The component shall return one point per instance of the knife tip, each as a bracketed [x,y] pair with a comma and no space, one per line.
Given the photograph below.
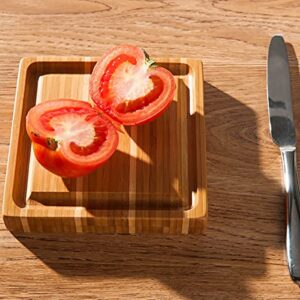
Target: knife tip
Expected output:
[277,37]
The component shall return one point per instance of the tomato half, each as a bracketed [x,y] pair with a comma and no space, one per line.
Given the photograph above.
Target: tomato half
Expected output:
[128,86]
[69,137]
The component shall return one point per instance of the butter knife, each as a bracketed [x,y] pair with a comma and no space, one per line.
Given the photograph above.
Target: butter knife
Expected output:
[283,134]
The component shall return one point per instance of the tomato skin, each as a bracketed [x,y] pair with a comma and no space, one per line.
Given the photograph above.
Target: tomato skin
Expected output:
[57,156]
[109,104]
[56,163]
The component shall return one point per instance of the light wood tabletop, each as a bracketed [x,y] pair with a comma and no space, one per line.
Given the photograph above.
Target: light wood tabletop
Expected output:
[242,254]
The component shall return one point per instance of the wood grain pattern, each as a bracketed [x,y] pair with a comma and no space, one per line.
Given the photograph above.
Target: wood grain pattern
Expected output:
[141,189]
[242,254]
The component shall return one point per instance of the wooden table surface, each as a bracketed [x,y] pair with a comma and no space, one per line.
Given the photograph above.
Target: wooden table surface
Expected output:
[242,254]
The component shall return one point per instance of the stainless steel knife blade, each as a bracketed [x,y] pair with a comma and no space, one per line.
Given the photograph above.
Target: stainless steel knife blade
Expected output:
[279,95]
[283,134]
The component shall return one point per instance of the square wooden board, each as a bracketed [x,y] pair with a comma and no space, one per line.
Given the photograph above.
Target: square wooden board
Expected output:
[154,183]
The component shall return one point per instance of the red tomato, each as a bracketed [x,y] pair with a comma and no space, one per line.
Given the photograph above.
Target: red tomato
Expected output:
[69,137]
[128,86]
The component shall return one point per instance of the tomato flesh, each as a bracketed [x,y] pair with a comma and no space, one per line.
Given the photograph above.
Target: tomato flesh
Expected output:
[72,133]
[110,69]
[70,123]
[99,139]
[142,102]
[127,86]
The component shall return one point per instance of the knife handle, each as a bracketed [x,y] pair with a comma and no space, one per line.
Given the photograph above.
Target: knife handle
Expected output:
[293,213]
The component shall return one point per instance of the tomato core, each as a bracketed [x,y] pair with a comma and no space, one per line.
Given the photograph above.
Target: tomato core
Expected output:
[74,124]
[110,69]
[142,102]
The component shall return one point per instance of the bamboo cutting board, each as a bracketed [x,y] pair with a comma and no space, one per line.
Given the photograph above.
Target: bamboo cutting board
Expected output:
[154,183]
